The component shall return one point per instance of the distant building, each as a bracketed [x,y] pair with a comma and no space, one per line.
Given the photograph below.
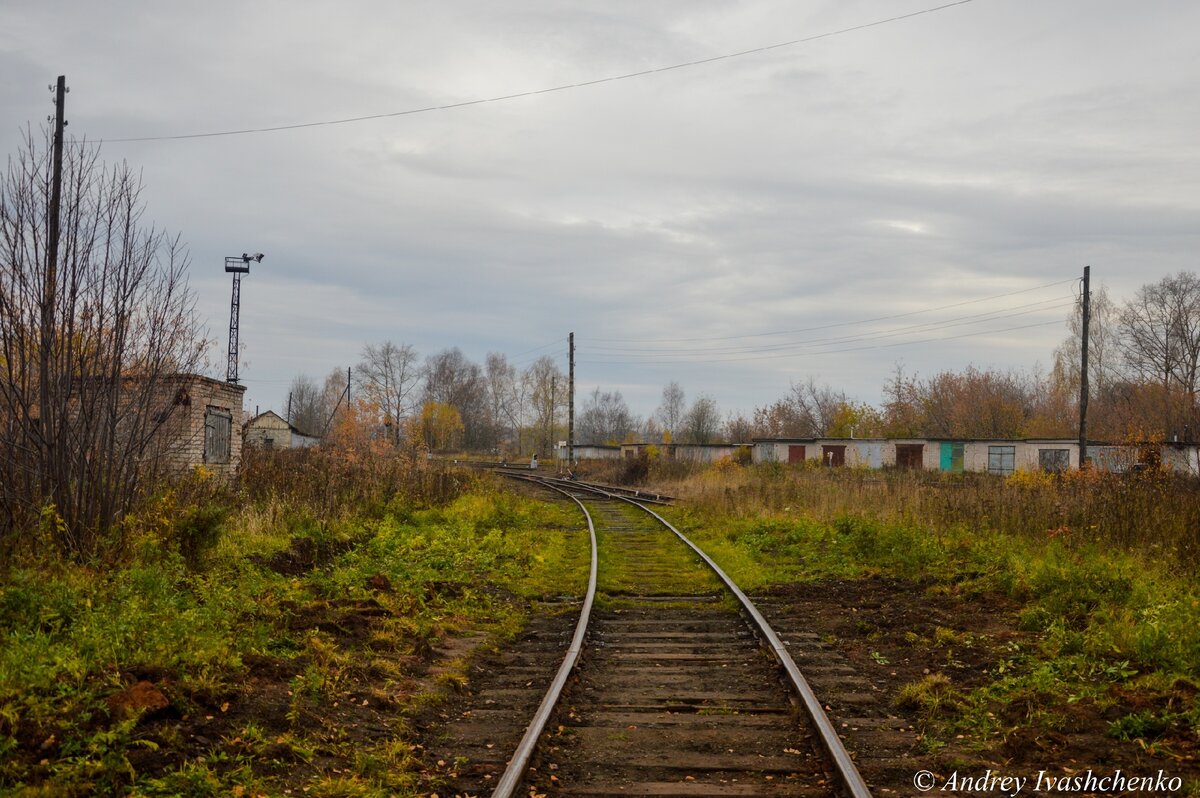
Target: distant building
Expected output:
[684,452]
[272,431]
[1001,457]
[588,451]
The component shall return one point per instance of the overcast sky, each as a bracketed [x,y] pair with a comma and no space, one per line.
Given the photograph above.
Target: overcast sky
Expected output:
[672,220]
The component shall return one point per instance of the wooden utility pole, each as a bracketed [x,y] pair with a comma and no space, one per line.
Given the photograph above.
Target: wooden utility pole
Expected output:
[571,402]
[50,287]
[289,415]
[1086,300]
[553,410]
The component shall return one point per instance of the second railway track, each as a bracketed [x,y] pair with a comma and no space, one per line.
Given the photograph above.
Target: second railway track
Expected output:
[679,688]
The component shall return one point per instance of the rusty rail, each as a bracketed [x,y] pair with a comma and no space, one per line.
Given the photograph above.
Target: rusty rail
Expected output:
[515,772]
[846,770]
[613,490]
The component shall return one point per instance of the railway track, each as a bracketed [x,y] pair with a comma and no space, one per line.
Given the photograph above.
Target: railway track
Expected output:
[680,686]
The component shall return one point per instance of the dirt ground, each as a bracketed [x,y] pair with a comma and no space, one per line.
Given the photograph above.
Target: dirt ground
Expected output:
[264,722]
[861,642]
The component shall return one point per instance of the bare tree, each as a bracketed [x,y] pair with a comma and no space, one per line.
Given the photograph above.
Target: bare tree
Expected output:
[506,394]
[807,411]
[651,432]
[671,409]
[1161,332]
[307,407]
[1104,345]
[333,397]
[605,418]
[818,405]
[546,389]
[389,376]
[739,429]
[702,421]
[1160,338]
[90,344]
[452,379]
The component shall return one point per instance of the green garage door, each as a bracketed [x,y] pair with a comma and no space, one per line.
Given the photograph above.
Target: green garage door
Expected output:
[952,457]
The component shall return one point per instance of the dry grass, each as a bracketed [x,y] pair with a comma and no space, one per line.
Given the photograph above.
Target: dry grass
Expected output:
[1153,512]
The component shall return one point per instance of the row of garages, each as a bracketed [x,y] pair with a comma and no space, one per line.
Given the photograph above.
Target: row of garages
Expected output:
[1001,457]
[997,457]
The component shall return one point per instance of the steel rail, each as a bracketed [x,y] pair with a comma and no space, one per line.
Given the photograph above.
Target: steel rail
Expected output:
[514,774]
[847,771]
[614,490]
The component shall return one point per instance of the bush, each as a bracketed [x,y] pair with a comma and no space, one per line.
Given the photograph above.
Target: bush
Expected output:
[364,478]
[198,530]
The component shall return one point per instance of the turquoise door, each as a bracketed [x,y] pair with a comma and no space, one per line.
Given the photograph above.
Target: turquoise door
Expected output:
[952,456]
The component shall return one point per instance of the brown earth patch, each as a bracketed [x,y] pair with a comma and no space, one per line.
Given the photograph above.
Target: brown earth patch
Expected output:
[293,719]
[138,698]
[466,739]
[871,639]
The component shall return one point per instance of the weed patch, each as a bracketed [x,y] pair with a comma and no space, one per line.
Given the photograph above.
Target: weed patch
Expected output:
[274,646]
[1111,620]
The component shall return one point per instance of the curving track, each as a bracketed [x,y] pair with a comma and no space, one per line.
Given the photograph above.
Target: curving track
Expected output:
[679,690]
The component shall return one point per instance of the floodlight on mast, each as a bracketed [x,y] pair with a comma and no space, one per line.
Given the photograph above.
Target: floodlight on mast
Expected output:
[237,266]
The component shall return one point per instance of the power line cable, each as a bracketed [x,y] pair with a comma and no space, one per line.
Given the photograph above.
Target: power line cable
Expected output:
[799,348]
[539,348]
[828,351]
[550,90]
[973,318]
[844,323]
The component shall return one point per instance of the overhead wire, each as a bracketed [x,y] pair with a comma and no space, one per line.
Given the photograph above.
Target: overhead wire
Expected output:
[778,355]
[539,348]
[855,342]
[848,323]
[548,90]
[958,321]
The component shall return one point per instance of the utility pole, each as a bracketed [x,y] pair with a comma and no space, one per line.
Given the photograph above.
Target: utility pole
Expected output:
[343,395]
[553,410]
[50,289]
[1083,364]
[571,402]
[289,415]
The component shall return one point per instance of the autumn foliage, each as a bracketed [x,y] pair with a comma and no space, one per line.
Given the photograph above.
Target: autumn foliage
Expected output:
[356,469]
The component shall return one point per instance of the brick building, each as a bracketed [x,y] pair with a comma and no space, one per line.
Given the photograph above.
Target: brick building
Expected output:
[204,423]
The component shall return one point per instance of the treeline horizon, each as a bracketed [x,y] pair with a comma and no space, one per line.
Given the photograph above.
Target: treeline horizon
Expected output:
[1144,371]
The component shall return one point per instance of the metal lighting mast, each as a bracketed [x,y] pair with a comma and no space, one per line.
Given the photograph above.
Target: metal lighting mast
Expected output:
[237,266]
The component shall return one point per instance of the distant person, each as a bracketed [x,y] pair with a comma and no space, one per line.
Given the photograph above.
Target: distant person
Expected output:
[533,463]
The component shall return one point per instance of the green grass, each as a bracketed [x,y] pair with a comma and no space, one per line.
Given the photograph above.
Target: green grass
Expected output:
[1105,620]
[71,636]
[627,556]
[1109,604]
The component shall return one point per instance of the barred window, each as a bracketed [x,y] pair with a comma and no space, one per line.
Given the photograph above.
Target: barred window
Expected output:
[218,433]
[1002,459]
